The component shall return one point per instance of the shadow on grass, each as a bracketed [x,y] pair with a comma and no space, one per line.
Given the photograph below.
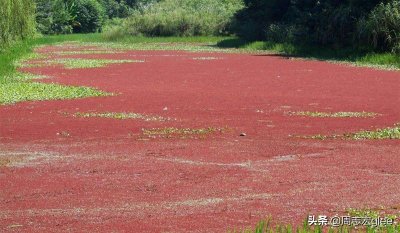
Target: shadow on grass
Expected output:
[362,56]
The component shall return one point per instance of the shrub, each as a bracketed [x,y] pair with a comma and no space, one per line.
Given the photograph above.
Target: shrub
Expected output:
[115,9]
[90,16]
[18,21]
[55,17]
[325,22]
[251,21]
[382,27]
[67,16]
[281,32]
[181,18]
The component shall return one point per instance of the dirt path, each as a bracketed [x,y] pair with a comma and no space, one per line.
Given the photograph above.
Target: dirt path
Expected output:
[180,164]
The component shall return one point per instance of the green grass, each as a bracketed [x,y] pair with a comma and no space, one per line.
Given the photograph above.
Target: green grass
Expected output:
[357,57]
[206,58]
[171,132]
[9,56]
[267,225]
[84,52]
[122,116]
[378,134]
[78,63]
[171,39]
[14,92]
[17,87]
[385,133]
[21,52]
[335,114]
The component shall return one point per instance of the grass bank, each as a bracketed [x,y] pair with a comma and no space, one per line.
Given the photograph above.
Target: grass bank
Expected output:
[9,57]
[16,87]
[358,57]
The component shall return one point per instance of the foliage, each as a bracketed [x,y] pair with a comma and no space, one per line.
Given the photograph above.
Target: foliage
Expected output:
[54,17]
[13,92]
[115,9]
[122,116]
[179,18]
[382,27]
[17,21]
[90,16]
[258,14]
[67,16]
[79,63]
[324,22]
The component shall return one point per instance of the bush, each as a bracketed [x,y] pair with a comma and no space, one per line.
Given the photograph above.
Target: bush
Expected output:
[90,16]
[115,9]
[67,16]
[283,33]
[251,21]
[18,20]
[180,18]
[382,27]
[330,23]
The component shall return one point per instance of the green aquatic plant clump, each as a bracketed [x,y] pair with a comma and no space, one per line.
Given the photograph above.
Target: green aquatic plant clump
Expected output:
[122,116]
[171,132]
[378,134]
[84,52]
[79,63]
[91,63]
[335,114]
[385,133]
[14,92]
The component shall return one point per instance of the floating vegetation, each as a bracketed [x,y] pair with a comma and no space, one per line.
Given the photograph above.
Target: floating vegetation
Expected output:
[170,132]
[29,76]
[122,116]
[385,133]
[24,61]
[13,92]
[378,134]
[206,58]
[89,63]
[78,63]
[336,114]
[83,52]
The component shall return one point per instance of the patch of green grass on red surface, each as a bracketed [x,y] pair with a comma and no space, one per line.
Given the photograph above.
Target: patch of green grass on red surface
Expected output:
[17,87]
[122,116]
[377,134]
[171,132]
[335,114]
[79,63]
[385,133]
[14,92]
[86,51]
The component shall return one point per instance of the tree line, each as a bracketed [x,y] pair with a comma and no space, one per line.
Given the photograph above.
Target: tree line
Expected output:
[373,24]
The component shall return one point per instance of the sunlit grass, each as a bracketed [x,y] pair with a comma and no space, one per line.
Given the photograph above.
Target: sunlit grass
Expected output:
[122,116]
[377,134]
[335,114]
[14,92]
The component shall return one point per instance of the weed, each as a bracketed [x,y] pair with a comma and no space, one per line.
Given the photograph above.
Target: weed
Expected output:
[385,133]
[336,114]
[378,134]
[206,58]
[78,63]
[13,92]
[170,132]
[266,226]
[122,116]
[83,52]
